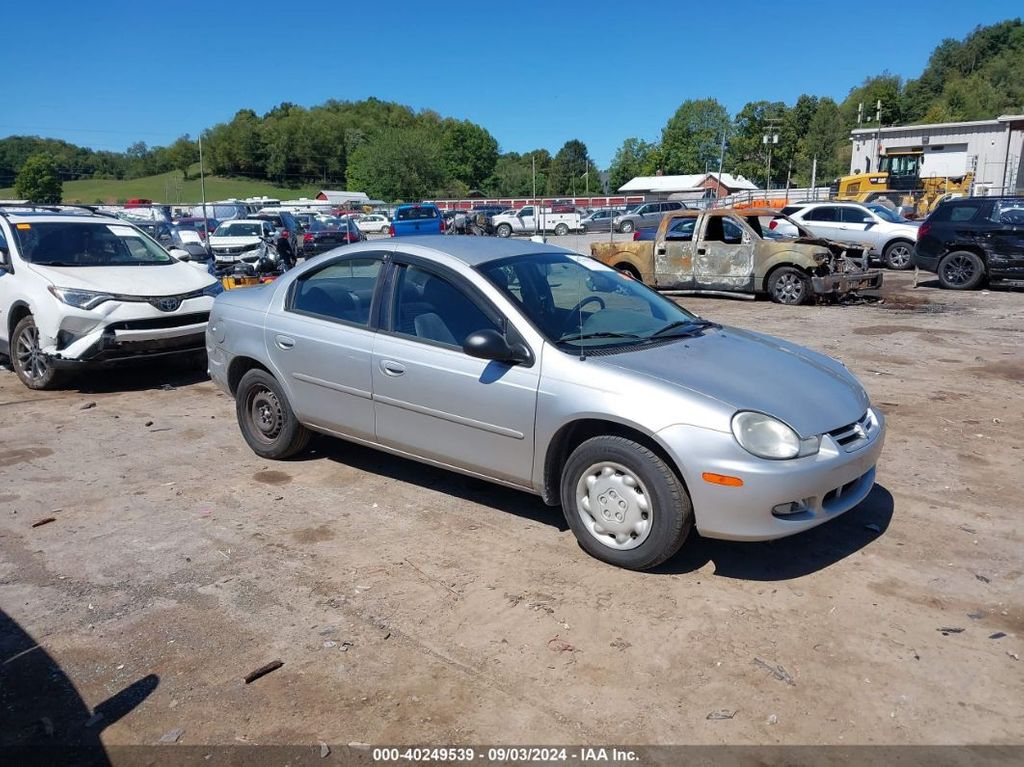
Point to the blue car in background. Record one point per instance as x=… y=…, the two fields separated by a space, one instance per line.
x=417 y=219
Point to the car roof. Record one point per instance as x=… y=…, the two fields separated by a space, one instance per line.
x=28 y=213
x=471 y=251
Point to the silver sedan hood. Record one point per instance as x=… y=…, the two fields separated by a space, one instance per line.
x=750 y=371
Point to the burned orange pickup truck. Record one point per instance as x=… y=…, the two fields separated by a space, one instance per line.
x=727 y=251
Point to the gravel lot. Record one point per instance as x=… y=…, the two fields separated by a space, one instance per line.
x=416 y=606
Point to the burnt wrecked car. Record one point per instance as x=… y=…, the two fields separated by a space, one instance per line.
x=728 y=251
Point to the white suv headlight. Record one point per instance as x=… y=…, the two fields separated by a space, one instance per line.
x=770 y=438
x=81 y=299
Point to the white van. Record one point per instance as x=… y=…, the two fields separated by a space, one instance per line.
x=529 y=219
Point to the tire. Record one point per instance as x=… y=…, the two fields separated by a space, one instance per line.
x=639 y=483
x=626 y=227
x=278 y=434
x=898 y=255
x=961 y=270
x=788 y=285
x=503 y=230
x=34 y=369
x=561 y=230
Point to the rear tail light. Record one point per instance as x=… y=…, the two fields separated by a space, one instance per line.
x=285 y=233
x=307 y=237
x=391 y=230
x=925 y=228
x=773 y=223
x=636 y=235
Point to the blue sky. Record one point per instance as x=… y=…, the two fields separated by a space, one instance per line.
x=106 y=74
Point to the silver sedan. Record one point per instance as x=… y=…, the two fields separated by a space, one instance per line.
x=537 y=368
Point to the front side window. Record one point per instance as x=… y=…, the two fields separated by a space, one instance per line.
x=1009 y=212
x=341 y=290
x=91 y=244
x=430 y=308
x=576 y=301
x=855 y=216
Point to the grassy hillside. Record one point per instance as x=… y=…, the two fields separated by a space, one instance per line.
x=169 y=187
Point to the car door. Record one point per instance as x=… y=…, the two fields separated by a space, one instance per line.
x=433 y=400
x=724 y=255
x=822 y=221
x=1004 y=237
x=859 y=226
x=526 y=219
x=322 y=343
x=673 y=255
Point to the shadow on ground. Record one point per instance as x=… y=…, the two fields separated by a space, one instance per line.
x=42 y=716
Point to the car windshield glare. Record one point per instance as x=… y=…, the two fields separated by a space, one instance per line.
x=88 y=244
x=577 y=302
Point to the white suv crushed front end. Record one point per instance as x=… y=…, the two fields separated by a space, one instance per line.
x=78 y=289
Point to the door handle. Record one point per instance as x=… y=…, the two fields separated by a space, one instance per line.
x=702 y=251
x=284 y=342
x=390 y=368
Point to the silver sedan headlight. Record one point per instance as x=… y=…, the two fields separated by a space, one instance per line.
x=770 y=438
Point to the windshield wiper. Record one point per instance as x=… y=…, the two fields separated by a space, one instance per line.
x=690 y=325
x=597 y=334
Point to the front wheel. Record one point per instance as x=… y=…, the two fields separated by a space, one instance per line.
x=898 y=255
x=266 y=419
x=624 y=504
x=503 y=230
x=961 y=270
x=789 y=285
x=561 y=230
x=34 y=368
x=626 y=227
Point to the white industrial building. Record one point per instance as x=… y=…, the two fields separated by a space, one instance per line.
x=992 y=149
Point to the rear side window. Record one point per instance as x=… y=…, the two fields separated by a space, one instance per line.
x=827 y=213
x=789 y=210
x=341 y=290
x=416 y=214
x=961 y=213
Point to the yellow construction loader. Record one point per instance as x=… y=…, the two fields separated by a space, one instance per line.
x=898 y=182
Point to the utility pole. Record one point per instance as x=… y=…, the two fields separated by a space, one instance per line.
x=769 y=139
x=878 y=133
x=814 y=177
x=721 y=163
x=202 y=186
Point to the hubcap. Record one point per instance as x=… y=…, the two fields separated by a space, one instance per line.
x=265 y=413
x=33 y=363
x=614 y=506
x=899 y=256
x=958 y=270
x=789 y=288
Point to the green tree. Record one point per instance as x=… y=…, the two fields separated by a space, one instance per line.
x=183 y=153
x=748 y=151
x=691 y=140
x=470 y=152
x=398 y=164
x=39 y=180
x=513 y=174
x=566 y=173
x=825 y=138
x=635 y=157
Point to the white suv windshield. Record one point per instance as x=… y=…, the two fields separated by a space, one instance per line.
x=53 y=243
x=239 y=230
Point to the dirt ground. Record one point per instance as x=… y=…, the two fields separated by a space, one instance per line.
x=416 y=606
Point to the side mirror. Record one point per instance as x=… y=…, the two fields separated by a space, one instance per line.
x=489 y=344
x=181 y=255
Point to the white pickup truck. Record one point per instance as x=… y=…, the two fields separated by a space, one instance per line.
x=529 y=219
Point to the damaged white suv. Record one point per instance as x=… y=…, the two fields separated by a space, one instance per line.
x=80 y=289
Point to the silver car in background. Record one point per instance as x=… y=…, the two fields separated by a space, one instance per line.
x=541 y=369
x=599 y=220
x=887 y=236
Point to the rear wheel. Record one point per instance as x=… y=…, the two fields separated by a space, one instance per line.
x=898 y=255
x=504 y=230
x=789 y=285
x=624 y=504
x=34 y=368
x=626 y=227
x=961 y=270
x=561 y=230
x=266 y=419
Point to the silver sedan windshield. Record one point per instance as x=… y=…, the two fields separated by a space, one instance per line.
x=576 y=301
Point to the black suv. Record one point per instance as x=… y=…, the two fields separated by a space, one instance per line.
x=969 y=240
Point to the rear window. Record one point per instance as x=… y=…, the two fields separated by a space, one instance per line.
x=416 y=214
x=961 y=212
x=789 y=210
